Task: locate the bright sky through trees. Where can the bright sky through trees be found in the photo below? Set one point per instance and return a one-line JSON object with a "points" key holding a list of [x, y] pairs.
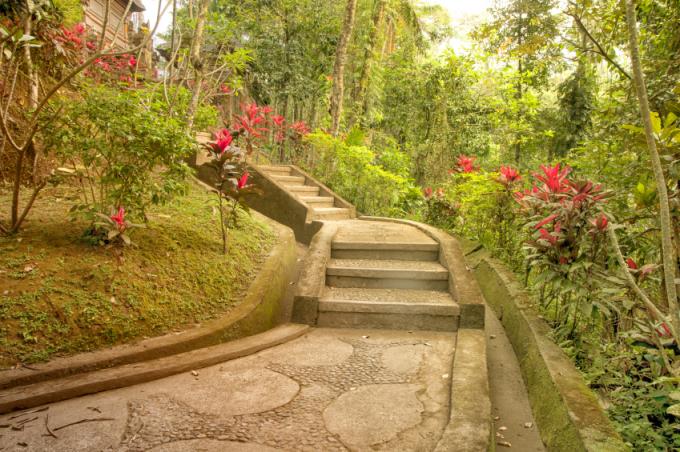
{"points": [[464, 15]]}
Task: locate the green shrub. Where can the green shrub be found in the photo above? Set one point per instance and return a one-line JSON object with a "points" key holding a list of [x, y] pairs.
{"points": [[125, 148], [355, 173]]}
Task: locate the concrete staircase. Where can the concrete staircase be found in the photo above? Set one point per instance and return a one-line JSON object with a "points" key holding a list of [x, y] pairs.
{"points": [[308, 192], [386, 275]]}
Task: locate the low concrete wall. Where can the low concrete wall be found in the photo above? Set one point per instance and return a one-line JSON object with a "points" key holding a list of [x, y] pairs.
{"points": [[280, 205], [313, 277], [462, 285], [567, 412], [256, 313]]}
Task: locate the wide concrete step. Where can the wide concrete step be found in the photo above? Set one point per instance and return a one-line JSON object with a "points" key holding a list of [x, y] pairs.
{"points": [[276, 170], [303, 190], [318, 201], [330, 213], [388, 308], [417, 251], [387, 274], [289, 180]]}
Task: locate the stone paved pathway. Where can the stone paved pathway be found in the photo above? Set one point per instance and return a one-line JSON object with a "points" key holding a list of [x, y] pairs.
{"points": [[332, 389]]}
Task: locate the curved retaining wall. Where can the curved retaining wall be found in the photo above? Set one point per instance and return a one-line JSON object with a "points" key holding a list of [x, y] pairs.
{"points": [[256, 313], [567, 412]]}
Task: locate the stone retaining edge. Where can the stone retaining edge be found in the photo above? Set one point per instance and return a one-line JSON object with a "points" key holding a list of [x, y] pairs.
{"points": [[255, 314], [469, 427], [462, 285], [313, 277], [567, 412], [51, 391]]}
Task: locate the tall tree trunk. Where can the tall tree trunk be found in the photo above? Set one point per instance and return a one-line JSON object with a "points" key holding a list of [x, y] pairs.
{"points": [[196, 62], [520, 113], [360, 94], [668, 258], [339, 67]]}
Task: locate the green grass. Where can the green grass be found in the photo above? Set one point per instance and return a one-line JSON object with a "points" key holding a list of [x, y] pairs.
{"points": [[59, 295]]}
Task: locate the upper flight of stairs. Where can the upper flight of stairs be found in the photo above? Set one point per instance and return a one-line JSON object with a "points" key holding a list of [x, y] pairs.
{"points": [[322, 207], [386, 275]]}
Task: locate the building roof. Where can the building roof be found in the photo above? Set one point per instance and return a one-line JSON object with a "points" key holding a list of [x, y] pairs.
{"points": [[136, 7]]}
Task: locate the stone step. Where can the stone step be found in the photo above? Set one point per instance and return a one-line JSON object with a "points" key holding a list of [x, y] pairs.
{"points": [[417, 251], [276, 170], [318, 201], [388, 308], [290, 180], [303, 190], [387, 274], [330, 213]]}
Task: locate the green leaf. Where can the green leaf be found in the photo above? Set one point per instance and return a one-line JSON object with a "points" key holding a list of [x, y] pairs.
{"points": [[670, 119], [656, 122]]}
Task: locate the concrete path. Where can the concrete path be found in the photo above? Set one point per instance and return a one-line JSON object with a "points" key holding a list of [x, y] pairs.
{"points": [[332, 389]]}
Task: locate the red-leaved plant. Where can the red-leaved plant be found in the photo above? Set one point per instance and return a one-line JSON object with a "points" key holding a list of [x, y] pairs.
{"points": [[113, 229], [230, 180], [567, 247]]}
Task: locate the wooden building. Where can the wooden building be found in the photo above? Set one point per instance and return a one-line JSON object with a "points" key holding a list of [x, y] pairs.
{"points": [[94, 19]]}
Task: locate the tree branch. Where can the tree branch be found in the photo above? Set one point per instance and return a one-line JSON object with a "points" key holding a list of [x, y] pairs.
{"points": [[600, 50]]}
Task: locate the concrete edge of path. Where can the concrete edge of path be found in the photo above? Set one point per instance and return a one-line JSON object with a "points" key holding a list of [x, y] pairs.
{"points": [[313, 277], [72, 386], [567, 412], [256, 313], [462, 284], [469, 427]]}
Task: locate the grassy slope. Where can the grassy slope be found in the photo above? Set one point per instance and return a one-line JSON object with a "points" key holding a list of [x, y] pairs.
{"points": [[60, 295]]}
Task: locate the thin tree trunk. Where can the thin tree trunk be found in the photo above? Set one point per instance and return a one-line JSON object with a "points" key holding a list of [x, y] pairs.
{"points": [[196, 62], [339, 67], [360, 94], [668, 258]]}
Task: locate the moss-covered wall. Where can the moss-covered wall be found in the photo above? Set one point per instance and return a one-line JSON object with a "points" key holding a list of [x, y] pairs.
{"points": [[567, 412]]}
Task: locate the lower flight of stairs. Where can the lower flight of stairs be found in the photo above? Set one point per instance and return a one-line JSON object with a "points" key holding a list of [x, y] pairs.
{"points": [[387, 284]]}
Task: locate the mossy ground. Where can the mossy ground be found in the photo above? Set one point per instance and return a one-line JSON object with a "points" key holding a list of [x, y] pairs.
{"points": [[60, 295]]}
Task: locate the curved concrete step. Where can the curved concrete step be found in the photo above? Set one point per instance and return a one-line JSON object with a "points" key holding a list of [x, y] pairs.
{"points": [[303, 190], [416, 251], [388, 308], [330, 213], [289, 180], [387, 274], [277, 170], [318, 201]]}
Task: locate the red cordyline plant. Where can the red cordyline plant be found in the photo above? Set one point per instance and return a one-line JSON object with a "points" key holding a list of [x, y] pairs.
{"points": [[465, 164], [567, 248], [439, 210], [114, 228], [230, 180], [250, 126]]}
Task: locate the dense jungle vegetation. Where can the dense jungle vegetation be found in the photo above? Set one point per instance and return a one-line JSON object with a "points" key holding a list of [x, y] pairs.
{"points": [[553, 140]]}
